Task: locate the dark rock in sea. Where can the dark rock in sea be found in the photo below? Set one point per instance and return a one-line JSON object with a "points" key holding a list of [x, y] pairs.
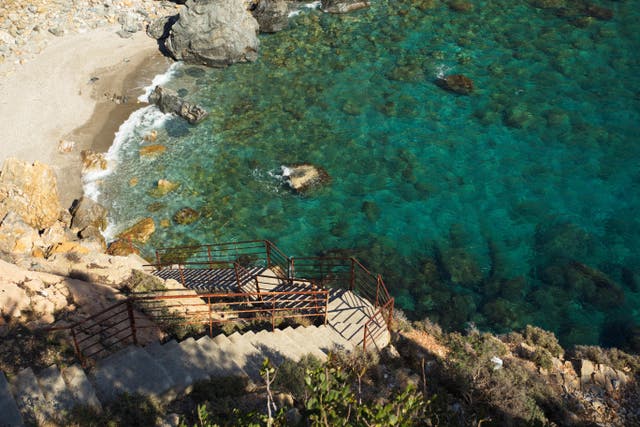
{"points": [[460, 6], [371, 210], [272, 15], [186, 216], [215, 33], [598, 12], [456, 83], [159, 28], [461, 267], [344, 6], [304, 177], [169, 102], [631, 279], [596, 287], [87, 213], [560, 242]]}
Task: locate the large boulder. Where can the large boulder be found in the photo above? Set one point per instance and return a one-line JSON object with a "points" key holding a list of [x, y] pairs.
{"points": [[30, 191], [215, 33], [16, 236], [344, 6], [170, 102], [272, 15], [87, 213]]}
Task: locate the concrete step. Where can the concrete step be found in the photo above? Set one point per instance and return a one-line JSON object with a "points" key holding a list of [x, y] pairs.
{"points": [[9, 412], [237, 336], [130, 370], [221, 340], [58, 397], [29, 398], [178, 362], [218, 364], [301, 343], [80, 387], [246, 356]]}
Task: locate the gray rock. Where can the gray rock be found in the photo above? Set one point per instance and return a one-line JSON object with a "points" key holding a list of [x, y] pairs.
{"points": [[124, 34], [344, 6], [159, 28], [215, 33], [129, 22], [87, 213], [57, 31], [272, 15], [169, 102]]}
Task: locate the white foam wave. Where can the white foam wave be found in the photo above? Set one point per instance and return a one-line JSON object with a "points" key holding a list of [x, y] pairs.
{"points": [[312, 5], [442, 70], [134, 128], [159, 80]]}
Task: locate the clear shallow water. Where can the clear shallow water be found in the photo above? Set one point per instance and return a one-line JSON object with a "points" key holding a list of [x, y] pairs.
{"points": [[518, 204]]}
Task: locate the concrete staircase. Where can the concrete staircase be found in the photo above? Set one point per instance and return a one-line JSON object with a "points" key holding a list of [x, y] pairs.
{"points": [[163, 371]]}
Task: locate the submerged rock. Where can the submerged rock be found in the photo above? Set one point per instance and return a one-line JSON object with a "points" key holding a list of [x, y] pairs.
{"points": [[596, 287], [30, 191], [457, 83], [169, 102], [139, 232], [186, 216], [122, 248], [461, 267], [272, 15], [304, 177], [215, 33], [344, 6]]}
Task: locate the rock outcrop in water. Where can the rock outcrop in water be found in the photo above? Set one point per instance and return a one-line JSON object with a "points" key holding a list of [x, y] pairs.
{"points": [[344, 6], [215, 33], [456, 83], [272, 15], [304, 177], [169, 102]]}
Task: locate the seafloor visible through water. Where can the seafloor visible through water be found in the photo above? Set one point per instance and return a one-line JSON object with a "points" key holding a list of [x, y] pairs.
{"points": [[517, 204]]}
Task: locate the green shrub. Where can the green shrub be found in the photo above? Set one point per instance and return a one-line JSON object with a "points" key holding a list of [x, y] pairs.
{"points": [[290, 375], [540, 338]]}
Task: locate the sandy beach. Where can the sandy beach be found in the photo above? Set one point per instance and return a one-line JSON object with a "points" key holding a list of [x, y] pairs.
{"points": [[73, 91]]}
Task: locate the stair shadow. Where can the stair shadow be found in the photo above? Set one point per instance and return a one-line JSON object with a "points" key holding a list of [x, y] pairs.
{"points": [[217, 279]]}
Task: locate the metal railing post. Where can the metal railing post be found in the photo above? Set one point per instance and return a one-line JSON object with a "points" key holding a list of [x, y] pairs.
{"points": [[132, 322], [326, 307], [209, 257], [182, 275], [292, 268], [210, 318], [364, 340], [77, 347], [268, 251], [353, 274], [158, 260], [378, 280], [235, 267]]}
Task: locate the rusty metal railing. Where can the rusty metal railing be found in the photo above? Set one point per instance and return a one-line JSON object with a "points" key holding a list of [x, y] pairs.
{"points": [[349, 273], [103, 332], [258, 253]]}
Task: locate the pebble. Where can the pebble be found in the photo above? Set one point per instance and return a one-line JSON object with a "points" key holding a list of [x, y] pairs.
{"points": [[26, 31]]}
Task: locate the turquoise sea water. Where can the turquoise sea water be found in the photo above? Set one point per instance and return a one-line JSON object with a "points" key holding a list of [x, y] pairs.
{"points": [[517, 204]]}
